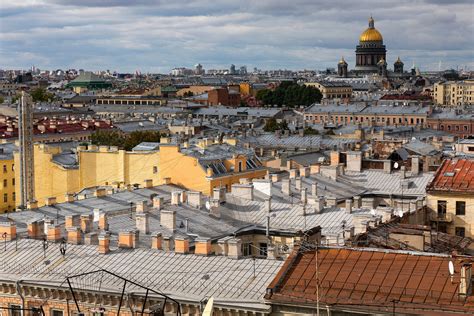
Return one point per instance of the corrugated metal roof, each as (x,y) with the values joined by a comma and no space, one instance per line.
(454,175)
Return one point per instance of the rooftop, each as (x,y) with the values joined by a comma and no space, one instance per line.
(454,175)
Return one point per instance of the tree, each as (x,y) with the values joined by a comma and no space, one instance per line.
(2,99)
(290,94)
(310,131)
(127,142)
(271,125)
(138,137)
(41,95)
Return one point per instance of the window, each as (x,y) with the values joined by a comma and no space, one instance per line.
(13,196)
(155,169)
(5,198)
(13,181)
(5,183)
(460,231)
(4,168)
(247,249)
(263,247)
(15,310)
(460,208)
(240,166)
(56,312)
(442,207)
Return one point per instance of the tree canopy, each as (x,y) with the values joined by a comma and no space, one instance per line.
(290,94)
(124,141)
(41,95)
(272,125)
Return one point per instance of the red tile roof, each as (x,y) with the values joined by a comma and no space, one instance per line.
(370,279)
(454,175)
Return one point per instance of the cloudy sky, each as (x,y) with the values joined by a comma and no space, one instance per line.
(158,35)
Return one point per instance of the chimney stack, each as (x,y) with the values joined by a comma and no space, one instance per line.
(54,232)
(31,205)
(72,221)
(86,223)
(219,194)
(298,183)
(35,229)
(415,165)
(387,166)
(175,197)
(74,235)
(157,241)
(349,206)
(142,223)
(103,221)
(69,197)
(402,172)
(357,202)
(168,244)
(158,202)
(104,243)
(100,192)
(148,183)
(314,189)
(293,173)
(195,199)
(319,206)
(203,247)
(50,201)
(234,248)
(181,245)
(285,186)
(8,228)
(304,172)
(127,239)
(304,196)
(168,219)
(141,206)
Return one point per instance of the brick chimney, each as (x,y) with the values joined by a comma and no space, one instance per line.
(293,173)
(158,202)
(354,161)
(54,232)
(181,244)
(142,222)
(334,158)
(74,235)
(141,206)
(298,184)
(168,243)
(100,192)
(304,172)
(319,205)
(357,202)
(415,165)
(33,204)
(219,194)
(104,243)
(86,223)
(168,219)
(215,208)
(203,247)
(234,248)
(244,191)
(403,174)
(304,196)
(127,239)
(195,199)
(314,189)
(72,220)
(9,228)
(387,166)
(35,229)
(103,221)
(69,197)
(148,183)
(176,197)
(285,186)
(157,241)
(50,201)
(349,206)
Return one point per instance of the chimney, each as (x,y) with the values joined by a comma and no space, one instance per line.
(357,202)
(104,243)
(466,279)
(334,158)
(168,219)
(354,161)
(127,239)
(35,229)
(275,177)
(74,235)
(100,192)
(415,165)
(285,186)
(141,206)
(298,183)
(158,202)
(72,221)
(304,196)
(402,172)
(293,173)
(215,208)
(168,244)
(244,191)
(157,241)
(331,201)
(219,194)
(271,252)
(319,206)
(195,199)
(175,197)
(8,228)
(387,166)
(167,180)
(69,197)
(33,204)
(50,201)
(223,246)
(234,248)
(54,232)
(314,189)
(148,183)
(203,247)
(368,202)
(91,239)
(86,223)
(181,245)
(142,223)
(304,172)
(348,206)
(103,221)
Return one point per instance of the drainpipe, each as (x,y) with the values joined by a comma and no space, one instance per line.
(18,291)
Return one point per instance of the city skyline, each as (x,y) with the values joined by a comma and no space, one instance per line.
(156,36)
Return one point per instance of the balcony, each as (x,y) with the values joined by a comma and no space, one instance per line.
(442,217)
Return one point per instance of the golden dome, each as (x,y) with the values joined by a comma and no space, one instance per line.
(371,34)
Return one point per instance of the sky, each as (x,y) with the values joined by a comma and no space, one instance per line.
(158,35)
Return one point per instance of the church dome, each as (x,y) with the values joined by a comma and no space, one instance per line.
(371,34)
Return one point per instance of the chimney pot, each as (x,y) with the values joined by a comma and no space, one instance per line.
(181,245)
(168,219)
(157,241)
(127,239)
(234,248)
(203,247)
(104,243)
(74,235)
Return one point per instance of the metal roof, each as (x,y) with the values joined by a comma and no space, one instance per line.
(454,175)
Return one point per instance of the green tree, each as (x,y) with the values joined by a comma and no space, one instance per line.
(108,138)
(290,94)
(271,125)
(41,95)
(138,137)
(2,99)
(310,131)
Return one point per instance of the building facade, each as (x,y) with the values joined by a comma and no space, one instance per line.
(454,93)
(370,50)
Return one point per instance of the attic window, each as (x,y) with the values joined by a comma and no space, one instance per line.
(449,174)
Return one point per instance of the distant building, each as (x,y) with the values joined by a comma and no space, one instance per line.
(332,89)
(370,50)
(450,198)
(454,93)
(88,81)
(223,96)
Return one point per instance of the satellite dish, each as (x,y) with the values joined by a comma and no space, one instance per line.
(395,165)
(208,205)
(372,211)
(451,268)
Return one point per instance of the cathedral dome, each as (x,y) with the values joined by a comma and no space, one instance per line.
(371,34)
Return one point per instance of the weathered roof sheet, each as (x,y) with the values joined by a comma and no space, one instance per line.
(454,175)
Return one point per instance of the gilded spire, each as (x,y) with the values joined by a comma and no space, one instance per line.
(371,22)
(342,61)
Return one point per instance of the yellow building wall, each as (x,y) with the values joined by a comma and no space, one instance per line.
(142,166)
(466,221)
(182,170)
(7,185)
(101,168)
